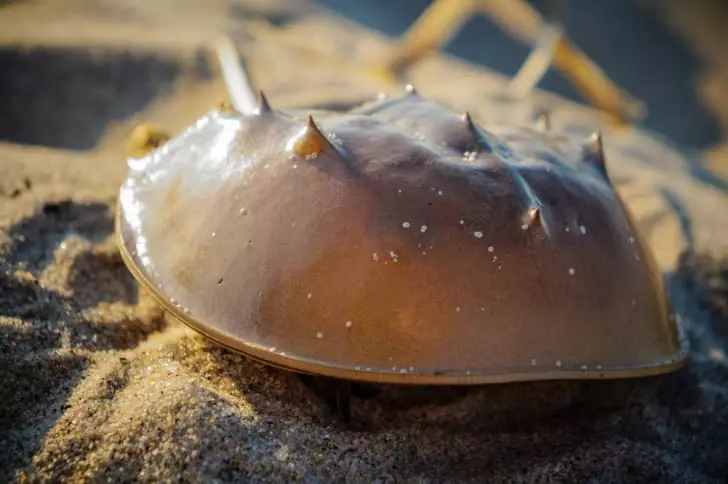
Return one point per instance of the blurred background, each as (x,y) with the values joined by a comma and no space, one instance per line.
(670,54)
(666,53)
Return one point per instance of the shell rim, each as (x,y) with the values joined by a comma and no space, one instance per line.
(315,367)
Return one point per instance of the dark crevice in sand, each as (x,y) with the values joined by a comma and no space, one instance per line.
(34,238)
(112,281)
(40,386)
(120,334)
(680,398)
(706,278)
(29,338)
(26,299)
(33,380)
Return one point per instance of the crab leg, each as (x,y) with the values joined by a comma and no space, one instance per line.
(437,24)
(523,22)
(537,63)
(440,21)
(242,95)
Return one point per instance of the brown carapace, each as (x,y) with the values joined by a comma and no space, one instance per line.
(398,242)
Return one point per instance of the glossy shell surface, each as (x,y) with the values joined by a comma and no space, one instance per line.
(400,242)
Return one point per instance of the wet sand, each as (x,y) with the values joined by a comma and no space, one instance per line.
(97,383)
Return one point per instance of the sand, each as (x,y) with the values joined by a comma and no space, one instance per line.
(98,384)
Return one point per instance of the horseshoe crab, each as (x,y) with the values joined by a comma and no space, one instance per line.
(399,242)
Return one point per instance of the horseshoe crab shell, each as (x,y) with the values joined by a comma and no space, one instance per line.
(401,243)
